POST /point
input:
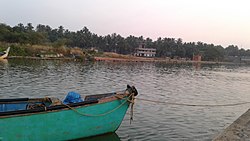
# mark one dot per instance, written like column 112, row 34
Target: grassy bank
column 46, row 51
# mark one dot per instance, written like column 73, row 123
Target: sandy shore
column 123, row 59
column 141, row 59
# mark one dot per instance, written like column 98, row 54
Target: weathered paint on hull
column 63, row 125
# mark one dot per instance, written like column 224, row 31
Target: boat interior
column 22, row 105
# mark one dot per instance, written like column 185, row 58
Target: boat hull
column 4, row 56
column 65, row 124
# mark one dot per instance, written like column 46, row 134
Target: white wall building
column 141, row 51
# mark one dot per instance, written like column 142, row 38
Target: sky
column 220, row 22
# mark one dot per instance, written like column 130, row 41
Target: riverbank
column 39, row 52
column 46, row 52
column 40, row 58
column 239, row 130
column 114, row 57
column 110, row 59
column 141, row 59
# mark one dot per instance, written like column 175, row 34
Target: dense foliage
column 166, row 47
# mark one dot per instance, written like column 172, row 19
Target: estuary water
column 194, row 84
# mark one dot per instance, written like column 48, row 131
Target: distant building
column 197, row 57
column 245, row 58
column 141, row 51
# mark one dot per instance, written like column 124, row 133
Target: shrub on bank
column 46, row 51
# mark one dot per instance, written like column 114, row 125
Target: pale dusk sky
column 221, row 22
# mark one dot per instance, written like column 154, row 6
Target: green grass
column 27, row 50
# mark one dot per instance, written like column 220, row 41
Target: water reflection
column 3, row 62
column 105, row 137
column 3, row 66
column 197, row 66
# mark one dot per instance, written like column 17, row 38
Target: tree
column 84, row 38
column 232, row 50
column 29, row 27
column 60, row 32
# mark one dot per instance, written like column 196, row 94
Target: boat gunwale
column 58, row 108
column 45, row 109
column 15, row 100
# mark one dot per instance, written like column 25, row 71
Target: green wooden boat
column 46, row 119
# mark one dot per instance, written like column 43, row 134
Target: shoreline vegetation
column 43, row 42
column 47, row 52
column 38, row 52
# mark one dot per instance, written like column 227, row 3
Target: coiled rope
column 193, row 105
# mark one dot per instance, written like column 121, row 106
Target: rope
column 132, row 108
column 103, row 114
column 132, row 101
column 193, row 105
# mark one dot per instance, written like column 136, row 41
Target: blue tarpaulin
column 72, row 97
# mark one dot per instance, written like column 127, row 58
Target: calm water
column 190, row 84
